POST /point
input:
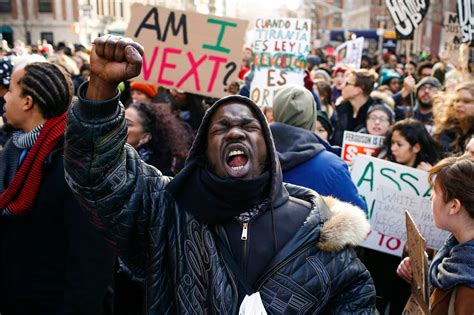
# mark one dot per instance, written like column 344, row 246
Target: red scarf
column 20, row 195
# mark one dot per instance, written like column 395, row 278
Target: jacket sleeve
column 353, row 288
column 122, row 195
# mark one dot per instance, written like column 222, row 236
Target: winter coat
column 308, row 161
column 52, row 260
column 314, row 271
column 343, row 120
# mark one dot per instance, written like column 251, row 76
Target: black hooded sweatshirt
column 269, row 230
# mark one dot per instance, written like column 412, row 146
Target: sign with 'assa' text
column 192, row 52
column 390, row 188
column 407, row 15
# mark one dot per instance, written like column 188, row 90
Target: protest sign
column 407, row 15
column 418, row 260
column 280, row 49
column 369, row 175
column 466, row 20
column 355, row 143
column 349, row 54
column 418, row 303
column 388, row 217
column 188, row 51
column 453, row 37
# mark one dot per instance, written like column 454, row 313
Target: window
column 5, row 6
column 48, row 36
column 45, row 6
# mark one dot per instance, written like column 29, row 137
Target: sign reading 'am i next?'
column 188, row 51
column 407, row 15
column 466, row 20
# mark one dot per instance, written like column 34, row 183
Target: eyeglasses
column 382, row 119
column 428, row 87
column 347, row 83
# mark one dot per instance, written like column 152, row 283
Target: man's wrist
column 99, row 90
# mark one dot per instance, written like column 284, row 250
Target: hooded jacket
column 311, row 162
column 315, row 270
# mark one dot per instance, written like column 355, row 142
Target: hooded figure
column 306, row 159
column 226, row 226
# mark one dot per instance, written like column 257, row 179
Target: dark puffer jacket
column 313, row 272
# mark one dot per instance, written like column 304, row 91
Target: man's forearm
column 99, row 90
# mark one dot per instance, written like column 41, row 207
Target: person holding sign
column 452, row 270
column 225, row 231
column 409, row 143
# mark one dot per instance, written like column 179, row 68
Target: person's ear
column 28, row 103
column 416, row 148
column 454, row 206
column 144, row 139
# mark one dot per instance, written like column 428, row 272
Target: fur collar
column 348, row 225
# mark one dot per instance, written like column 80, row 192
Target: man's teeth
column 237, row 168
column 235, row 152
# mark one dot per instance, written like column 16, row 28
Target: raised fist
column 113, row 59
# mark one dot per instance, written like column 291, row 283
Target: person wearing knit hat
column 425, row 91
column 320, row 74
column 305, row 158
column 379, row 119
column 391, row 78
column 295, row 105
column 323, row 126
column 143, row 92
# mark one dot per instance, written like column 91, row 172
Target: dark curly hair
column 170, row 140
column 414, row 132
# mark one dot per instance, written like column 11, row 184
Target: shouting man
column 226, row 226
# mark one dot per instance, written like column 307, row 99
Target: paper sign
column 453, row 36
column 349, row 54
column 280, row 47
column 418, row 260
column 413, row 307
column 465, row 13
column 407, row 15
column 368, row 174
column 188, row 51
column 389, row 217
column 355, row 143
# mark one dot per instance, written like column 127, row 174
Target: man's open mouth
column 237, row 161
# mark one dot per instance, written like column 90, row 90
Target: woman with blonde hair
column 455, row 124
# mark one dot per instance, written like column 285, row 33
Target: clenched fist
column 113, row 59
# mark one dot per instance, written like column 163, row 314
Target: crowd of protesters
column 53, row 262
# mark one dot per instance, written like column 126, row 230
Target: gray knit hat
column 385, row 108
column 295, row 105
column 429, row 80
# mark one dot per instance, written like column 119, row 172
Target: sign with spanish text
column 452, row 36
column 355, row 143
column 466, row 19
column 280, row 47
column 192, row 52
column 407, row 15
column 349, row 53
column 389, row 188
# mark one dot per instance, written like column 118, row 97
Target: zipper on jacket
column 245, row 228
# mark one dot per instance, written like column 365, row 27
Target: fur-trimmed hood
column 333, row 224
column 348, row 225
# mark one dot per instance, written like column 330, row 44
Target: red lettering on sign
column 165, row 65
column 147, row 69
column 215, row 70
column 192, row 71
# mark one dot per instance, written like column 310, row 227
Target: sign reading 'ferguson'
column 407, row 15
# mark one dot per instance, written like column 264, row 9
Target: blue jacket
column 309, row 161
